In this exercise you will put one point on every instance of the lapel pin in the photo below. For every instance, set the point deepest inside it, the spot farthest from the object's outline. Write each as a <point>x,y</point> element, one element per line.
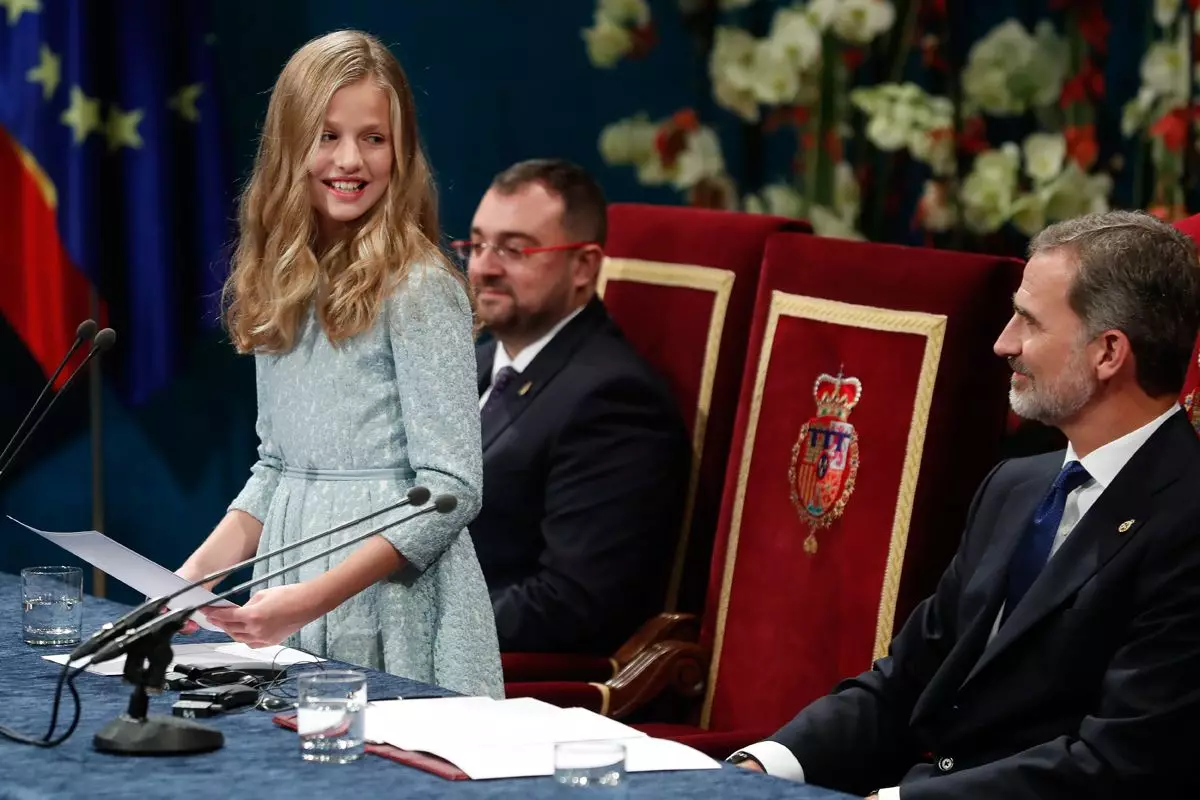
<point>1126,525</point>
<point>525,389</point>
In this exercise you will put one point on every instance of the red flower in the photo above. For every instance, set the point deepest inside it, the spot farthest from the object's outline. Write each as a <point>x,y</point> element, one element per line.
<point>686,119</point>
<point>671,138</point>
<point>788,115</point>
<point>972,139</point>
<point>669,142</point>
<point>1172,129</point>
<point>833,146</point>
<point>1081,145</point>
<point>1095,27</point>
<point>1086,84</point>
<point>645,37</point>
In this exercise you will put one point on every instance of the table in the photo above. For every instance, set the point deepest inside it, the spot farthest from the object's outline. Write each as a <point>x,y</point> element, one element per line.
<point>259,760</point>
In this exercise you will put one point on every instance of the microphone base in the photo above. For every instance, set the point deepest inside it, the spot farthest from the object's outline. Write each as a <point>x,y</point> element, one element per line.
<point>157,736</point>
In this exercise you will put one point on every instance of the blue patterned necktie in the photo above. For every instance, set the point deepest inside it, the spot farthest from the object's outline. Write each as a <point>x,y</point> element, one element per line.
<point>1033,551</point>
<point>502,379</point>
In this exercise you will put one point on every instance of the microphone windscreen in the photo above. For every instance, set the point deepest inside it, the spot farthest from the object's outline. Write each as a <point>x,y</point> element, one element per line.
<point>418,495</point>
<point>445,503</point>
<point>86,330</point>
<point>105,339</point>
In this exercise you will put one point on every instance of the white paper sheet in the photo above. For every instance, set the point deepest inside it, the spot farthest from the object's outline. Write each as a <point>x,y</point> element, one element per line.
<point>515,738</point>
<point>233,654</point>
<point>132,569</point>
<point>642,754</point>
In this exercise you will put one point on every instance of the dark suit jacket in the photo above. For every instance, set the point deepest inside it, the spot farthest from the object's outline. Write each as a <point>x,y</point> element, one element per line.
<point>1091,688</point>
<point>584,475</point>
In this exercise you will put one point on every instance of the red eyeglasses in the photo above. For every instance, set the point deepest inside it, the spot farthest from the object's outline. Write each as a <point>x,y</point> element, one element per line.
<point>466,250</point>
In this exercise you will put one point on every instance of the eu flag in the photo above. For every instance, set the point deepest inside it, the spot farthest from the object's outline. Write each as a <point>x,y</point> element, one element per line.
<point>112,177</point>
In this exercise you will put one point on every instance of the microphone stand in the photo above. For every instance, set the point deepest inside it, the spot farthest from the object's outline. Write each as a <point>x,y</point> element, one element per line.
<point>149,610</point>
<point>148,654</point>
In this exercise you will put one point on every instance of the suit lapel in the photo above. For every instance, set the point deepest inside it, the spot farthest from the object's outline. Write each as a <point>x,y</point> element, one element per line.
<point>1111,523</point>
<point>541,371</point>
<point>485,356</point>
<point>984,591</point>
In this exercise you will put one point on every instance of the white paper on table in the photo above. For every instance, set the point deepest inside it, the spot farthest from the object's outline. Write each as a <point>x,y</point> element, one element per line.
<point>642,754</point>
<point>234,654</point>
<point>515,738</point>
<point>132,569</point>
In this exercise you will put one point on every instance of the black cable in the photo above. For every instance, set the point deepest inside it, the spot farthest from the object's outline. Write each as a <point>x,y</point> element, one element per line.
<point>48,739</point>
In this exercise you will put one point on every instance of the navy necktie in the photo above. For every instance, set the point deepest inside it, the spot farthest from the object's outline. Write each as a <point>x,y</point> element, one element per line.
<point>1033,551</point>
<point>501,380</point>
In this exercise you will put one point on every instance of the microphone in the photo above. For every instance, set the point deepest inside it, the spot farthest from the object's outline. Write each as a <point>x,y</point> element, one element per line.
<point>443,504</point>
<point>149,610</point>
<point>103,341</point>
<point>84,333</point>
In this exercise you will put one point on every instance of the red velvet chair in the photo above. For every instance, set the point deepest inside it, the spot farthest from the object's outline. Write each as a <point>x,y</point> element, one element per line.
<point>871,365</point>
<point>1190,396</point>
<point>680,282</point>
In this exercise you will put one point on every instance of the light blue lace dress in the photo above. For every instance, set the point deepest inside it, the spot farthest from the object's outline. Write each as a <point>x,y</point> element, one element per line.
<point>348,429</point>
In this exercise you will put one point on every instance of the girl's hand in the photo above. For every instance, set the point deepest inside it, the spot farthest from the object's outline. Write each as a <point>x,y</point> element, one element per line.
<point>271,616</point>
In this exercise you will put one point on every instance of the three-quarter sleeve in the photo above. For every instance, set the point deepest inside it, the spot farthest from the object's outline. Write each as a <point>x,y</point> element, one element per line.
<point>429,322</point>
<point>255,496</point>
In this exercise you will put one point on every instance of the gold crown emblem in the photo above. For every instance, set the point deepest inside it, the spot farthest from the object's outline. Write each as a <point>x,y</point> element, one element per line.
<point>836,396</point>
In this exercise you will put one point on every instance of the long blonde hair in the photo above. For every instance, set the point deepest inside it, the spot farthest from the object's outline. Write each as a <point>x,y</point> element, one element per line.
<point>277,272</point>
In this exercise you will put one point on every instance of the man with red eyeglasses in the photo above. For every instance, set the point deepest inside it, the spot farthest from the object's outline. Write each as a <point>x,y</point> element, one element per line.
<point>585,454</point>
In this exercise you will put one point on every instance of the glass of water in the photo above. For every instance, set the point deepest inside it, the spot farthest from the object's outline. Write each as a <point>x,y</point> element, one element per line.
<point>52,605</point>
<point>331,715</point>
<point>589,765</point>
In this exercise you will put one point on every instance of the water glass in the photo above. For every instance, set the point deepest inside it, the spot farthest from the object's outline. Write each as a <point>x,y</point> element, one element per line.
<point>332,715</point>
<point>52,605</point>
<point>589,765</point>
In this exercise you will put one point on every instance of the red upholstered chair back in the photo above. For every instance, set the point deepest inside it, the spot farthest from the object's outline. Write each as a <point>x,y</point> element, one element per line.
<point>871,407</point>
<point>1190,396</point>
<point>680,284</point>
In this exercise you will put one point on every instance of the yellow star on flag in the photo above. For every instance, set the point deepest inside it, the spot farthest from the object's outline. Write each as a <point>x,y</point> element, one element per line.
<point>18,7</point>
<point>82,115</point>
<point>121,128</point>
<point>48,72</point>
<point>184,101</point>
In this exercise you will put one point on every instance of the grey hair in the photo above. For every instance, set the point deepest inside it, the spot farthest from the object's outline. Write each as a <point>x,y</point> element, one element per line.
<point>1139,275</point>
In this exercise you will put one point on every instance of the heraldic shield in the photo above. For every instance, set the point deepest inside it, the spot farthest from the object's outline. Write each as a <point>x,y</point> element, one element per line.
<point>825,456</point>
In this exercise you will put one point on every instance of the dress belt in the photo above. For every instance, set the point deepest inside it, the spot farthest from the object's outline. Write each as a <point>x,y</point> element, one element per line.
<point>377,474</point>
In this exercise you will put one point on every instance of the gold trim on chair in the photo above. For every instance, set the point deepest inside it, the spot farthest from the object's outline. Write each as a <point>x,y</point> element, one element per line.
<point>706,279</point>
<point>933,328</point>
<point>605,698</point>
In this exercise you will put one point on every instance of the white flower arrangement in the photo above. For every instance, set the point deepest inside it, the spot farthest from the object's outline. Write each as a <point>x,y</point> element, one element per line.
<point>677,151</point>
<point>1009,71</point>
<point>905,116</point>
<point>808,56</point>
<point>611,37</point>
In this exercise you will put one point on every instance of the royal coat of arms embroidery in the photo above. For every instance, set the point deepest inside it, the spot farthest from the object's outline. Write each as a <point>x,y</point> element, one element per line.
<point>825,456</point>
<point>1191,403</point>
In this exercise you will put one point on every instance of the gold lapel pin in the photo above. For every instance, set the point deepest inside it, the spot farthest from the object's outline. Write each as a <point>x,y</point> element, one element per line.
<point>1126,525</point>
<point>525,389</point>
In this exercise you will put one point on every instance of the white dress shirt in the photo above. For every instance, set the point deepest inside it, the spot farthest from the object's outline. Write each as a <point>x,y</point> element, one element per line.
<point>525,357</point>
<point>1102,466</point>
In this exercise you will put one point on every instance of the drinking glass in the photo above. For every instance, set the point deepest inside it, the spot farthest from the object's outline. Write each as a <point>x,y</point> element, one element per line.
<point>52,605</point>
<point>589,765</point>
<point>331,715</point>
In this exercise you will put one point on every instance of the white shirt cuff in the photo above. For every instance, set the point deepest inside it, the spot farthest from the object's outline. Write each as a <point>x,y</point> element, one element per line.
<point>777,760</point>
<point>890,793</point>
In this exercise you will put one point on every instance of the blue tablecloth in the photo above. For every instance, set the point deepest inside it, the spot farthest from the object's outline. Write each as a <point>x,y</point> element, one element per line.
<point>259,759</point>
